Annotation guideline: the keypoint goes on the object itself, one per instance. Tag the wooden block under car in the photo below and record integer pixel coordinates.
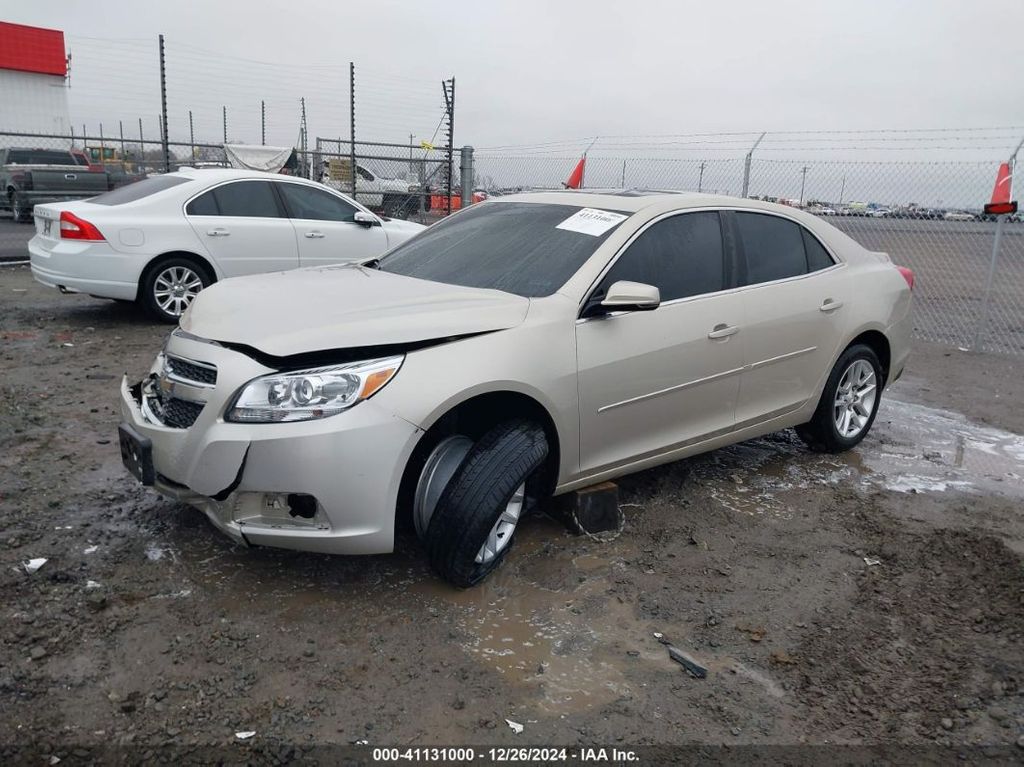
(593, 509)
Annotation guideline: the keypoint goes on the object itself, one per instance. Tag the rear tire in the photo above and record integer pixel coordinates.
(847, 408)
(169, 286)
(20, 210)
(473, 526)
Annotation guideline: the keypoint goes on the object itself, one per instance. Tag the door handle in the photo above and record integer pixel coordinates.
(828, 305)
(723, 331)
(217, 232)
(315, 235)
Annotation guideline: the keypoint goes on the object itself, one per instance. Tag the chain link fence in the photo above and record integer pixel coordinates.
(926, 215)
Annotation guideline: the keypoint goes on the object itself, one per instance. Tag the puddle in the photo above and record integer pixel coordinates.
(911, 449)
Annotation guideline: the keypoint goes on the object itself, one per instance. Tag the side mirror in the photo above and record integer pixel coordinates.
(625, 296)
(366, 219)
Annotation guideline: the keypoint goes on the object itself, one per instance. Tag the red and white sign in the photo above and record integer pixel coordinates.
(32, 49)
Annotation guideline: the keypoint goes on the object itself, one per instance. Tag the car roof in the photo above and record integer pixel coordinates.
(226, 174)
(636, 200)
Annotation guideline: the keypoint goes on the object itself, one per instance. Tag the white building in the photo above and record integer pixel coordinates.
(33, 84)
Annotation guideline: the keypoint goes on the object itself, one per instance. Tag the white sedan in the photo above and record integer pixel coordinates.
(161, 240)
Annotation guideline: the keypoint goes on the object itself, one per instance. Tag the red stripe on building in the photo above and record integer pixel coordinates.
(32, 49)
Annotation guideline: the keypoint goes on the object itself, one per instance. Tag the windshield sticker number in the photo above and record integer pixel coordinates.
(592, 221)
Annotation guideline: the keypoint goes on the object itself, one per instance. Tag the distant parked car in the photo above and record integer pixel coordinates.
(880, 213)
(161, 240)
(958, 215)
(32, 176)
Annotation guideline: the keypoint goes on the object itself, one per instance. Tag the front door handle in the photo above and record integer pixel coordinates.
(830, 305)
(723, 331)
(218, 232)
(314, 235)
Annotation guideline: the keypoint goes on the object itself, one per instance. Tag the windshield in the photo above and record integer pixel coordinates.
(516, 247)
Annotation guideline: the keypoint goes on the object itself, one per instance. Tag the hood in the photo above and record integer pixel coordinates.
(338, 307)
(404, 228)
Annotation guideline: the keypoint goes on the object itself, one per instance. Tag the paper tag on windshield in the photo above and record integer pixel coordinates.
(592, 221)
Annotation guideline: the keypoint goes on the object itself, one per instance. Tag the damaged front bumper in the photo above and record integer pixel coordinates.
(327, 485)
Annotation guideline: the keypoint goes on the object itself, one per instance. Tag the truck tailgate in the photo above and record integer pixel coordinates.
(73, 180)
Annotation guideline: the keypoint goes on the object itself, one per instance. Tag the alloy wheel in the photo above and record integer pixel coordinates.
(855, 398)
(175, 288)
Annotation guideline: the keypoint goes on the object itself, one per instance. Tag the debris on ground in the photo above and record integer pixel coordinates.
(516, 727)
(245, 734)
(872, 561)
(34, 564)
(690, 666)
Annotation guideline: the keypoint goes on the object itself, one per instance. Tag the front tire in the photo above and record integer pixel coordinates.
(472, 527)
(170, 285)
(848, 404)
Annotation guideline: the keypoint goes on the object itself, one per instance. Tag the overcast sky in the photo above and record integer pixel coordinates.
(531, 71)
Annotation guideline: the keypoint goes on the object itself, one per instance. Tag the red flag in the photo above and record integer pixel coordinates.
(1001, 191)
(575, 180)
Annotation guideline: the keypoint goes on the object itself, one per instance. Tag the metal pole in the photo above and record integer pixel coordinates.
(842, 189)
(72, 127)
(120, 125)
(163, 105)
(803, 182)
(466, 173)
(142, 146)
(623, 174)
(263, 122)
(191, 135)
(225, 113)
(700, 178)
(993, 262)
(102, 144)
(352, 122)
(449, 98)
(746, 165)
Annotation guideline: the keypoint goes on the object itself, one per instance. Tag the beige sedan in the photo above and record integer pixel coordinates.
(526, 346)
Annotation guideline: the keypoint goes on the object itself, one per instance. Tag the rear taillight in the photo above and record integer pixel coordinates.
(74, 228)
(908, 275)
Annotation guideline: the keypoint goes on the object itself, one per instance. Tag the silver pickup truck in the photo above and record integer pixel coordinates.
(29, 177)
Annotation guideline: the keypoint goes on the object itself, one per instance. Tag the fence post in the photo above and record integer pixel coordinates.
(191, 136)
(225, 113)
(466, 174)
(746, 166)
(993, 261)
(263, 122)
(163, 106)
(449, 99)
(352, 122)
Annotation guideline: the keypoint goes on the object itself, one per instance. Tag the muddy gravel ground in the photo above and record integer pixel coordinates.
(870, 598)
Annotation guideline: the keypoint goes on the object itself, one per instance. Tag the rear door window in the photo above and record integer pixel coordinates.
(254, 199)
(203, 205)
(773, 246)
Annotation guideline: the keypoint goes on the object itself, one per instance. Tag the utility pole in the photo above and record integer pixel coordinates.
(163, 106)
(700, 178)
(352, 122)
(803, 181)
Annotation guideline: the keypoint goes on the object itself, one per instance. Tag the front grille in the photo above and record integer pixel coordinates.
(180, 413)
(191, 371)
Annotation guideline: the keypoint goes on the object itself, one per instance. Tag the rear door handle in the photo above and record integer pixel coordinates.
(218, 232)
(828, 305)
(723, 331)
(315, 235)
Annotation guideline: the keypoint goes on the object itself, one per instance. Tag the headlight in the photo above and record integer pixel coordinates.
(304, 395)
